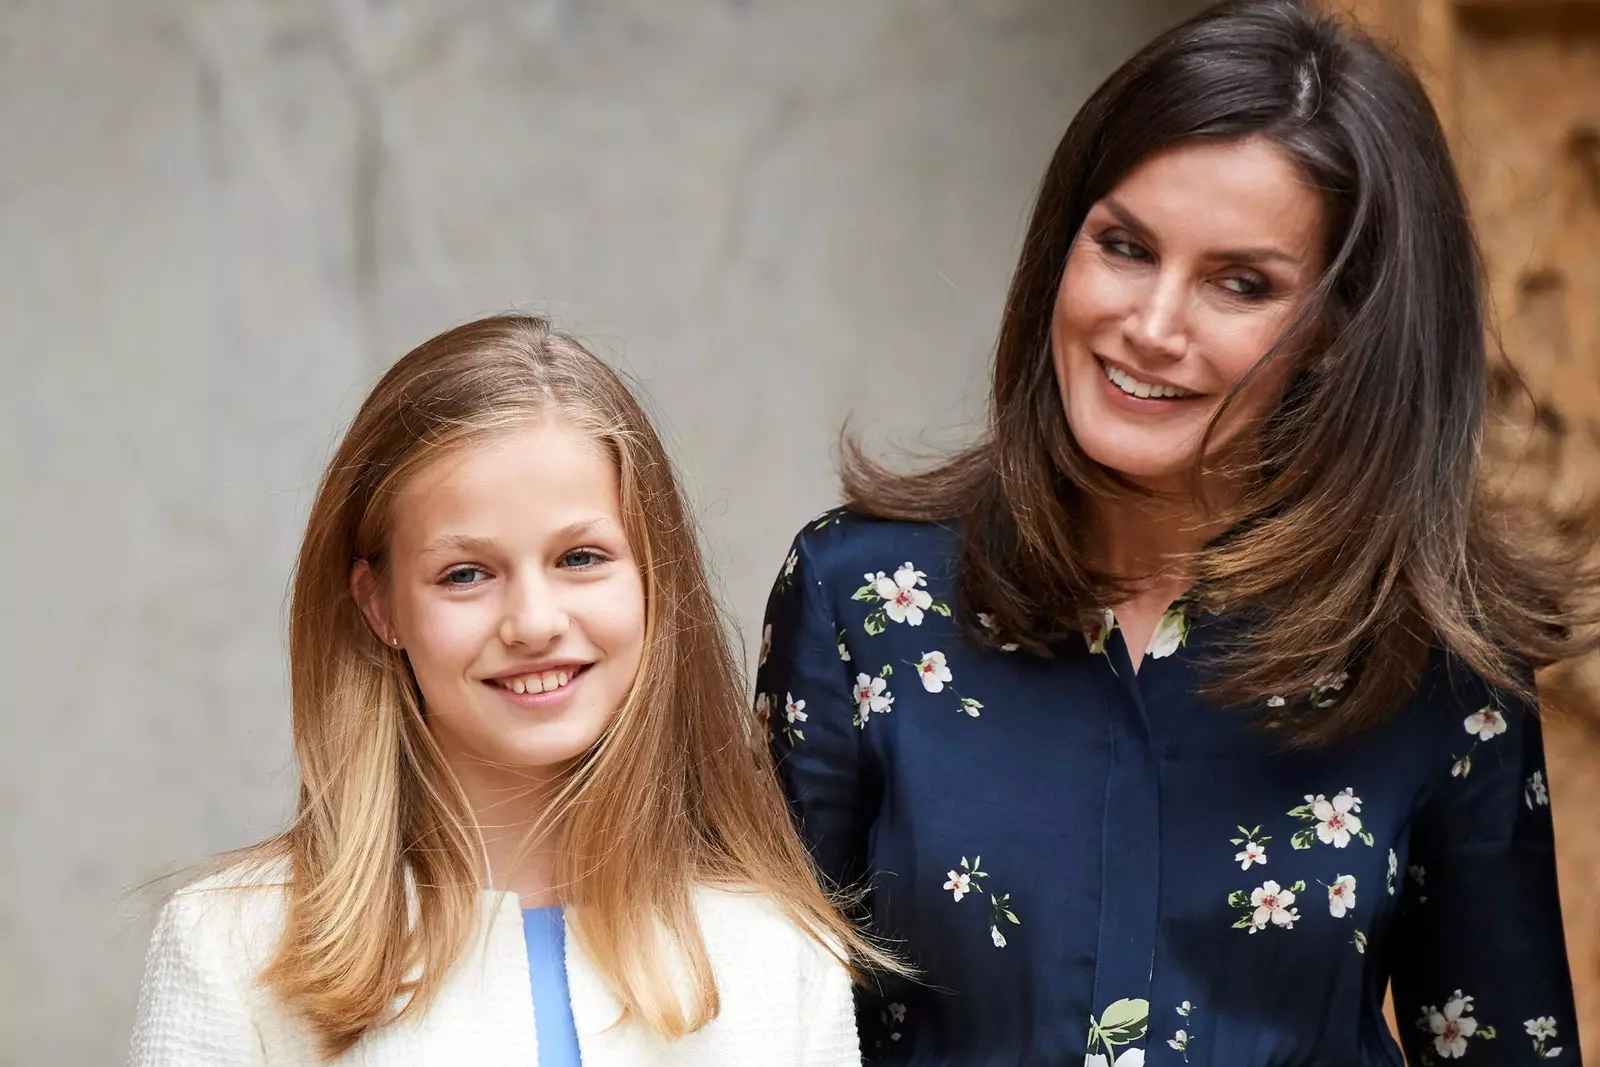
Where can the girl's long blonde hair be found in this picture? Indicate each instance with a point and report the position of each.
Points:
(385, 861)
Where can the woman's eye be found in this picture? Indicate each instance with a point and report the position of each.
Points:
(1123, 249)
(1244, 285)
(460, 576)
(582, 559)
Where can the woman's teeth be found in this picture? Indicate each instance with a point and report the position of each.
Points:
(1134, 387)
(547, 682)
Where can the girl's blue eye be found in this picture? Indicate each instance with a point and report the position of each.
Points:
(463, 576)
(581, 559)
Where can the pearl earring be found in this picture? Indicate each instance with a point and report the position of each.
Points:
(395, 641)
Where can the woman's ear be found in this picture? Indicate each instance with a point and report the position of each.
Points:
(369, 596)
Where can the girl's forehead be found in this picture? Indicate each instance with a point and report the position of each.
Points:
(542, 477)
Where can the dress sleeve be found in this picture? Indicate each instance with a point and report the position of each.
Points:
(1480, 964)
(804, 691)
(192, 1011)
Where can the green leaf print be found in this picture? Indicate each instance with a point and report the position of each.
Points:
(1122, 1023)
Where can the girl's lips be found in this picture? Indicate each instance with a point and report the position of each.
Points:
(542, 701)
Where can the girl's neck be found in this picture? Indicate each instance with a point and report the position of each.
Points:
(507, 804)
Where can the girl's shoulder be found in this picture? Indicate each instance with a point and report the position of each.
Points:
(746, 929)
(233, 914)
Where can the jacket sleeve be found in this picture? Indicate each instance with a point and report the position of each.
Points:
(192, 1008)
(1480, 965)
(804, 690)
(829, 1029)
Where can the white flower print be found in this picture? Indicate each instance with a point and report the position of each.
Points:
(1342, 895)
(903, 598)
(1184, 1009)
(1394, 869)
(970, 879)
(987, 622)
(961, 882)
(1000, 909)
(872, 695)
(844, 649)
(1360, 942)
(1325, 691)
(1451, 1027)
(933, 671)
(794, 711)
(1536, 793)
(1332, 821)
(1485, 724)
(1543, 1029)
(893, 1016)
(1488, 723)
(905, 601)
(1267, 904)
(786, 575)
(763, 708)
(1130, 1057)
(1180, 1043)
(1170, 632)
(1276, 701)
(1253, 850)
(971, 707)
(766, 645)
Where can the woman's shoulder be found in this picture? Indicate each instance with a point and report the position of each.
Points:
(845, 543)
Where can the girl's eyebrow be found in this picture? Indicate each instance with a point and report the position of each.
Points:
(458, 543)
(453, 543)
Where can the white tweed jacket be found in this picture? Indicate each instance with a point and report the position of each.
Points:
(784, 999)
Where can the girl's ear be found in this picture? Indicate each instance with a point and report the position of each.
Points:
(369, 596)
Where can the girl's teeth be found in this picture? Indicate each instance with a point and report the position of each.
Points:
(548, 682)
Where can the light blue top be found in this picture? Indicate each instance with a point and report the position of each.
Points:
(545, 930)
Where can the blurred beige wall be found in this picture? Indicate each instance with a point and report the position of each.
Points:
(220, 220)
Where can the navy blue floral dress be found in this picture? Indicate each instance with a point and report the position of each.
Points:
(1089, 864)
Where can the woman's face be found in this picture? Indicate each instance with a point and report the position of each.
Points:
(515, 594)
(1179, 281)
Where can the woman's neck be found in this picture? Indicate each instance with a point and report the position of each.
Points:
(1150, 545)
(507, 804)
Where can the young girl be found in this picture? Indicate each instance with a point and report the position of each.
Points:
(1190, 709)
(531, 827)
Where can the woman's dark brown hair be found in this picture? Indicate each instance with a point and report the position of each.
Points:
(1364, 536)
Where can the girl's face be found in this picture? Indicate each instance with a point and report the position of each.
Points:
(515, 595)
(1179, 281)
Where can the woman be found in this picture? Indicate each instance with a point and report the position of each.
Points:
(1189, 708)
(523, 835)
